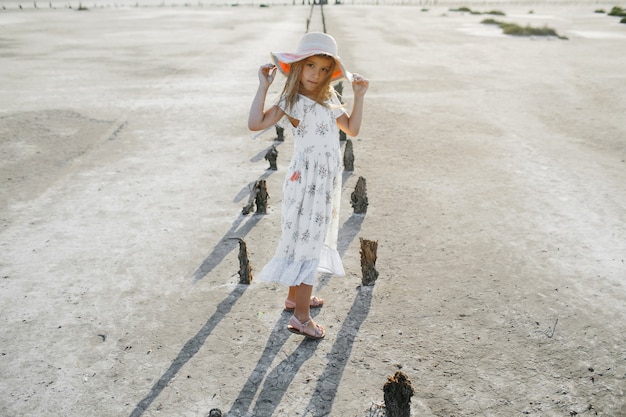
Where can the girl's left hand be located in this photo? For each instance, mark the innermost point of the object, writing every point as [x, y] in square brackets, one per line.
[359, 84]
[266, 74]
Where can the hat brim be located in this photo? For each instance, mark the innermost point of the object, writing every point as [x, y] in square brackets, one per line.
[284, 60]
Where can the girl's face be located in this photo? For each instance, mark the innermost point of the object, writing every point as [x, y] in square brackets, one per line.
[315, 71]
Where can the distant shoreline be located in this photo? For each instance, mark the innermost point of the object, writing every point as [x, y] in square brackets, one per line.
[7, 5]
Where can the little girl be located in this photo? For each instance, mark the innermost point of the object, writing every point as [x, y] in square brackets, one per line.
[310, 198]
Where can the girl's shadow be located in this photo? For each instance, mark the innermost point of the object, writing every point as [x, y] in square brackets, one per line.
[279, 378]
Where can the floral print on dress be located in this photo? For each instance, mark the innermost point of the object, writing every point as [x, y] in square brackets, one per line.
[321, 129]
[319, 218]
[322, 171]
[309, 203]
[301, 129]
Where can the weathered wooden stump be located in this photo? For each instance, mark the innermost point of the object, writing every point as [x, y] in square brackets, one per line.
[272, 156]
[258, 197]
[215, 412]
[280, 134]
[339, 90]
[398, 392]
[261, 197]
[358, 198]
[245, 269]
[368, 262]
[348, 156]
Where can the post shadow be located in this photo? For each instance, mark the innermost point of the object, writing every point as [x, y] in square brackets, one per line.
[321, 402]
[261, 155]
[274, 344]
[345, 176]
[190, 349]
[245, 191]
[281, 377]
[228, 242]
[226, 245]
[271, 390]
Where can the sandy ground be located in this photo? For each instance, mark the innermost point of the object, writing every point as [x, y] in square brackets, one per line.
[496, 179]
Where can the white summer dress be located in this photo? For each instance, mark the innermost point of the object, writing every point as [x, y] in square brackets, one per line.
[311, 196]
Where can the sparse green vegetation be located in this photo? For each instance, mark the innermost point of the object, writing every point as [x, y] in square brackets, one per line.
[81, 8]
[617, 11]
[462, 9]
[468, 10]
[602, 11]
[517, 30]
[490, 22]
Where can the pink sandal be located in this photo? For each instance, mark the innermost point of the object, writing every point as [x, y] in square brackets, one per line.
[316, 302]
[295, 326]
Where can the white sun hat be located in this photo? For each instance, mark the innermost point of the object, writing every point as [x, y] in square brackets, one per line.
[312, 43]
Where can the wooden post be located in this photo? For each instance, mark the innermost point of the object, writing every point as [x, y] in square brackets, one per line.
[258, 197]
[368, 262]
[348, 156]
[271, 156]
[261, 197]
[339, 90]
[280, 134]
[398, 392]
[245, 270]
[359, 197]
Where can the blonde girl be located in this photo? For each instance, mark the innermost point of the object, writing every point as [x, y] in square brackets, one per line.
[310, 207]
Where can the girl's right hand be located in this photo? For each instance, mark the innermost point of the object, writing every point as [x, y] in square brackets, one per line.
[267, 73]
[359, 85]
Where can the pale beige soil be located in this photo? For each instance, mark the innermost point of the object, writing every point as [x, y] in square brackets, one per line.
[495, 171]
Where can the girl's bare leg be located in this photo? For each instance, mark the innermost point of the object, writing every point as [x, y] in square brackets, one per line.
[301, 321]
[302, 296]
[291, 295]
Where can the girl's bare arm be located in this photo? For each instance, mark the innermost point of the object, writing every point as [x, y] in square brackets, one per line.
[259, 118]
[351, 125]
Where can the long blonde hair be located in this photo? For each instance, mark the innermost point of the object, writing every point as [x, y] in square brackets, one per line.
[292, 85]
